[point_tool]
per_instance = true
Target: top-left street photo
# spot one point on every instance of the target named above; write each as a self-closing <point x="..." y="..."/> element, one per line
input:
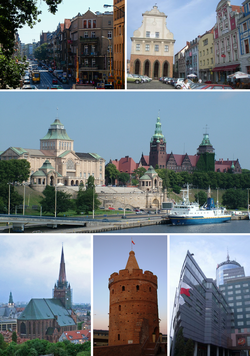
<point x="60" y="44"/>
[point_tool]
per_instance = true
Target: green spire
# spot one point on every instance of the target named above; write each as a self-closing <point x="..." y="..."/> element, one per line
<point x="158" y="135"/>
<point x="11" y="299"/>
<point x="205" y="141"/>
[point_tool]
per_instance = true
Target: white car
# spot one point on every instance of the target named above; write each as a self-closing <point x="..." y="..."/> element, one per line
<point x="179" y="82"/>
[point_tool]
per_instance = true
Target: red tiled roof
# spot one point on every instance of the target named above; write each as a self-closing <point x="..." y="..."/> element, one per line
<point x="77" y="334"/>
<point x="179" y="159"/>
<point x="125" y="164"/>
<point x="238" y="8"/>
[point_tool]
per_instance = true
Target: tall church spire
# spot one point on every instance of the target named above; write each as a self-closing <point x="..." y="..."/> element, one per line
<point x="62" y="271"/>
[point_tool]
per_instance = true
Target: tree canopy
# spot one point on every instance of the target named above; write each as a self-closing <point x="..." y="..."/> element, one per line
<point x="111" y="172"/>
<point x="11" y="71"/>
<point x="63" y="201"/>
<point x="14" y="171"/>
<point x="84" y="201"/>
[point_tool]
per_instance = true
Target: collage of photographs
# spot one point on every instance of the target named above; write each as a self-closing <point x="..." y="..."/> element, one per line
<point x="124" y="178"/>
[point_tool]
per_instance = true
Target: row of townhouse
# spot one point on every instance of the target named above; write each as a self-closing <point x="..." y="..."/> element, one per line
<point x="222" y="50"/>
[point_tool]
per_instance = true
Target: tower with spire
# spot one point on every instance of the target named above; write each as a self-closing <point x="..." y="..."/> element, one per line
<point x="11" y="302"/>
<point x="133" y="311"/>
<point x="158" y="153"/>
<point x="62" y="289"/>
<point x="206" y="154"/>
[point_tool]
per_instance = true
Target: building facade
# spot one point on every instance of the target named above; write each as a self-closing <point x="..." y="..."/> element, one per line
<point x="244" y="37"/>
<point x="226" y="43"/>
<point x="191" y="57"/>
<point x="206" y="56"/>
<point x="133" y="311"/>
<point x="152" y="48"/>
<point x="56" y="161"/>
<point x="91" y="46"/>
<point x="119" y="43"/>
<point x="180" y="63"/>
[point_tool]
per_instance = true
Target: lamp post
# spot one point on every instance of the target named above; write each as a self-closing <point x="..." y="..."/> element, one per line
<point x="55" y="198"/>
<point x="109" y="53"/>
<point x="24" y="184"/>
<point x="9" y="199"/>
<point x="93" y="202"/>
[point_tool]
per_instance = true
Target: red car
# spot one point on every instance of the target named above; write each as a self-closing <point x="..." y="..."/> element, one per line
<point x="110" y="208"/>
<point x="54" y="81"/>
<point x="211" y="87"/>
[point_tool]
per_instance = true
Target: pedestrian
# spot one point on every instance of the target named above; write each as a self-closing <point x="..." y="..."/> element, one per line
<point x="200" y="80"/>
<point x="185" y="85"/>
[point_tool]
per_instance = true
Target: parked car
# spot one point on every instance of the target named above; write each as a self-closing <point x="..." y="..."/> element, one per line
<point x="29" y="86"/>
<point x="132" y="79"/>
<point x="54" y="81"/>
<point x="179" y="83"/>
<point x="110" y="208"/>
<point x="212" y="87"/>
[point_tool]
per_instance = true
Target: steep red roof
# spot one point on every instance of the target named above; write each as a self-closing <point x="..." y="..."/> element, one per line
<point x="238" y="8"/>
<point x="77" y="334"/>
<point x="125" y="164"/>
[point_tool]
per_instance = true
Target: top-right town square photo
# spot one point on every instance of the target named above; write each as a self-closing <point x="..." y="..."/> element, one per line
<point x="188" y="45"/>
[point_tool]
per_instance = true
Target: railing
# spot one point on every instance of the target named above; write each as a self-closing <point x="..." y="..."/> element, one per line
<point x="156" y="345"/>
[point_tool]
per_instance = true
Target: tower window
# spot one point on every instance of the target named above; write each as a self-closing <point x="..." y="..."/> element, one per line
<point x="123" y="288"/>
<point x="150" y="289"/>
<point x="113" y="291"/>
<point x="118" y="336"/>
<point x="120" y="307"/>
<point x="137" y="287"/>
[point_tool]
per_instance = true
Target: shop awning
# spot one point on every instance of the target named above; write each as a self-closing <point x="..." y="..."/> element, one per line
<point x="226" y="68"/>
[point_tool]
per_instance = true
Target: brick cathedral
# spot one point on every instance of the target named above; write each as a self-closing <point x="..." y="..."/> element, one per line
<point x="49" y="318"/>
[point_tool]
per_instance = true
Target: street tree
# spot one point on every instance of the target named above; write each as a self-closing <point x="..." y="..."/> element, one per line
<point x="14" y="15"/>
<point x="84" y="201"/>
<point x="11" y="71"/>
<point x="179" y="344"/>
<point x="41" y="52"/>
<point x="7" y="190"/>
<point x="124" y="177"/>
<point x="139" y="172"/>
<point x="14" y="171"/>
<point x="63" y="201"/>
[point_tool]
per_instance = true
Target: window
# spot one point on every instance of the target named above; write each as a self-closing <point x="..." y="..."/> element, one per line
<point x="240" y="323"/>
<point x="237" y="291"/>
<point x="120" y="308"/>
<point x="237" y="286"/>
<point x="239" y="310"/>
<point x="137" y="287"/>
<point x="94" y="23"/>
<point x="239" y="303"/>
<point x="93" y="62"/>
<point x="156" y="48"/>
<point x="244" y="26"/>
<point x="86" y="34"/>
<point x="123" y="288"/>
<point x="148" y="34"/>
<point x="246" y="45"/>
<point x="166" y="48"/>
<point x="92" y="34"/>
<point x="138" y="47"/>
<point x="230" y="298"/>
<point x="109" y="34"/>
<point x="238" y="297"/>
<point x="240" y="316"/>
<point x="86" y="49"/>
<point x="118" y="336"/>
<point x="147" y="47"/>
<point x="84" y="23"/>
<point x="157" y="34"/>
<point x="245" y="285"/>
<point x="89" y="23"/>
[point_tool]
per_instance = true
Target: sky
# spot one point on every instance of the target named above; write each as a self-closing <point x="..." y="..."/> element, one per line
<point x="111" y="254"/>
<point x="118" y="124"/>
<point x="31" y="262"/>
<point x="209" y="251"/>
<point x="66" y="10"/>
<point x="185" y="19"/>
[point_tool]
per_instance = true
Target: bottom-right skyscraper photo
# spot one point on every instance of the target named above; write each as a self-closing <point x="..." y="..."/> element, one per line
<point x="209" y="295"/>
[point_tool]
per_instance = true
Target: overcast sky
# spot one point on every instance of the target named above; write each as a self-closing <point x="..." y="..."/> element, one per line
<point x="111" y="254"/>
<point x="209" y="251"/>
<point x="30" y="265"/>
<point x="117" y="124"/>
<point x="185" y="19"/>
<point x="66" y="10"/>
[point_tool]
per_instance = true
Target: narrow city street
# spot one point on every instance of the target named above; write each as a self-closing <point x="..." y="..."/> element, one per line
<point x="154" y="84"/>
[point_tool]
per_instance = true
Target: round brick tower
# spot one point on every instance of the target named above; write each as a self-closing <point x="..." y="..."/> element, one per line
<point x="133" y="307"/>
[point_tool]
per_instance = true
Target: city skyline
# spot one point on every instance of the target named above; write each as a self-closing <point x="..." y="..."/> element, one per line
<point x="208" y="251"/>
<point x="196" y="16"/>
<point x="49" y="22"/>
<point x="32" y="265"/>
<point x="127" y="128"/>
<point x="111" y="254"/>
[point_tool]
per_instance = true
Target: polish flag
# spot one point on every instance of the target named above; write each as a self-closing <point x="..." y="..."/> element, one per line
<point x="132" y="242"/>
<point x="185" y="289"/>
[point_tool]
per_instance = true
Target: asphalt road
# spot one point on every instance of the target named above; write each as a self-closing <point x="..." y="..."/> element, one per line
<point x="46" y="80"/>
<point x="154" y="84"/>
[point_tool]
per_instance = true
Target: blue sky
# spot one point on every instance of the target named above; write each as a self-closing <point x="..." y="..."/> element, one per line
<point x="209" y="251"/>
<point x="30" y="265"/>
<point x="66" y="10"/>
<point x="185" y="19"/>
<point x="111" y="254"/>
<point x="117" y="124"/>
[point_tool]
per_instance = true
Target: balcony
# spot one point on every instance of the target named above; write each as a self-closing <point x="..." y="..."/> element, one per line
<point x="89" y="54"/>
<point x="88" y="68"/>
<point x="89" y="39"/>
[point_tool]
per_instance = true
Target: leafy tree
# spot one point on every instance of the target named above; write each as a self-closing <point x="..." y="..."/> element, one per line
<point x="179" y="344"/>
<point x="41" y="52"/>
<point x="189" y="347"/>
<point x="15" y="198"/>
<point x="14" y="336"/>
<point x="14" y="170"/>
<point x="235" y="198"/>
<point x="124" y="177"/>
<point x="14" y="15"/>
<point x="90" y="183"/>
<point x="135" y="182"/>
<point x="84" y="201"/>
<point x="176" y="189"/>
<point x="63" y="202"/>
<point x="201" y="197"/>
<point x="111" y="172"/>
<point x="139" y="172"/>
<point x="3" y="344"/>
<point x="163" y="174"/>
<point x="11" y="70"/>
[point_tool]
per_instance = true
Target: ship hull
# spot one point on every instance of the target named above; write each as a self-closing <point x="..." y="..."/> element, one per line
<point x="198" y="220"/>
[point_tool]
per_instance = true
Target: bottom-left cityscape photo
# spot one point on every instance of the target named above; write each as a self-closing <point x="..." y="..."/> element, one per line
<point x="45" y="295"/>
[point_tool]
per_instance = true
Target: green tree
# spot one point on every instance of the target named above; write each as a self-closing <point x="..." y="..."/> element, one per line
<point x="235" y="198"/>
<point x="3" y="344"/>
<point x="14" y="336"/>
<point x="189" y="347"/>
<point x="201" y="197"/>
<point x="15" y="198"/>
<point x="124" y="177"/>
<point x="139" y="172"/>
<point x="11" y="71"/>
<point x="63" y="202"/>
<point x="14" y="170"/>
<point x="84" y="201"/>
<point x="179" y="344"/>
<point x="41" y="52"/>
<point x="90" y="183"/>
<point x="111" y="172"/>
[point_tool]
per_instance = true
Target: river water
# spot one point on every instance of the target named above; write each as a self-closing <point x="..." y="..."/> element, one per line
<point x="231" y="227"/>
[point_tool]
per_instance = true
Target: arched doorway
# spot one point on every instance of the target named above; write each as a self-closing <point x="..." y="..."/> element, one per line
<point x="155" y="183"/>
<point x="165" y="69"/>
<point x="156" y="70"/>
<point x="72" y="183"/>
<point x="155" y="203"/>
<point x="51" y="180"/>
<point x="146" y="68"/>
<point x="65" y="182"/>
<point x="137" y="66"/>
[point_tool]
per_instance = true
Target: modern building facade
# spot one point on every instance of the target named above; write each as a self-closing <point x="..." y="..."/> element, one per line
<point x="56" y="162"/>
<point x="204" y="314"/>
<point x="244" y="37"/>
<point x="152" y="48"/>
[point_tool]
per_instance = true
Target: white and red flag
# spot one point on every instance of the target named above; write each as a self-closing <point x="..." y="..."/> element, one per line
<point x="185" y="289"/>
<point x="181" y="300"/>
